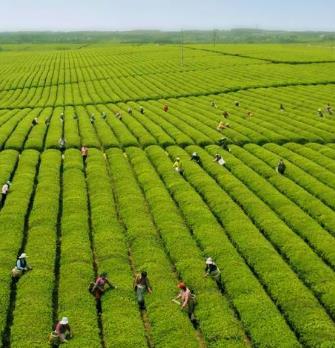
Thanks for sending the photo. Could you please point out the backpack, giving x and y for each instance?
(16, 273)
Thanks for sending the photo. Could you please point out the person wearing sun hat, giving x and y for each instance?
(178, 166)
(63, 330)
(4, 192)
(21, 266)
(212, 270)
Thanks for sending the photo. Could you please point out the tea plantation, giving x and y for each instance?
(125, 209)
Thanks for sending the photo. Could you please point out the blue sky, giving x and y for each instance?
(166, 15)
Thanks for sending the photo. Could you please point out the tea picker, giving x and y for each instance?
(187, 301)
(178, 166)
(196, 158)
(141, 287)
(218, 158)
(21, 267)
(4, 192)
(62, 332)
(213, 271)
(281, 167)
(97, 288)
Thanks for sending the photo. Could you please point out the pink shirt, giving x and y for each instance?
(185, 296)
(100, 281)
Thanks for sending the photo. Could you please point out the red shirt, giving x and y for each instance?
(61, 328)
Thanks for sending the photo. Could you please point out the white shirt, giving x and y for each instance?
(5, 188)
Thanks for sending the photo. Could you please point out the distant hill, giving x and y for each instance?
(156, 36)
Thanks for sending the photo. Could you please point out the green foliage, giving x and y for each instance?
(124, 209)
(76, 272)
(282, 283)
(34, 291)
(217, 320)
(12, 219)
(148, 255)
(259, 315)
(111, 254)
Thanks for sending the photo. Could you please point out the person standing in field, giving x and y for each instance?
(97, 288)
(130, 111)
(35, 121)
(61, 117)
(21, 266)
(281, 167)
(141, 110)
(187, 301)
(92, 118)
(178, 166)
(84, 152)
(4, 192)
(213, 104)
(281, 107)
(103, 115)
(166, 107)
(320, 113)
(237, 103)
(212, 270)
(142, 286)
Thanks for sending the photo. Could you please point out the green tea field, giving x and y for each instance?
(126, 209)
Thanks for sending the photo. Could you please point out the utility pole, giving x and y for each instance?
(182, 47)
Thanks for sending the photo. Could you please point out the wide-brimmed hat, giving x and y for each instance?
(64, 321)
(23, 256)
(209, 261)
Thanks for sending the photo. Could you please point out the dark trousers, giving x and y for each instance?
(219, 284)
(3, 198)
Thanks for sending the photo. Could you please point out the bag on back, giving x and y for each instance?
(16, 273)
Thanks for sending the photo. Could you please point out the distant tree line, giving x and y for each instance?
(173, 37)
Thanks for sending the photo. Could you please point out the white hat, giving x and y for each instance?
(64, 321)
(194, 153)
(177, 158)
(209, 261)
(23, 256)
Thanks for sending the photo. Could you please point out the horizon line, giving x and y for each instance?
(100, 30)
